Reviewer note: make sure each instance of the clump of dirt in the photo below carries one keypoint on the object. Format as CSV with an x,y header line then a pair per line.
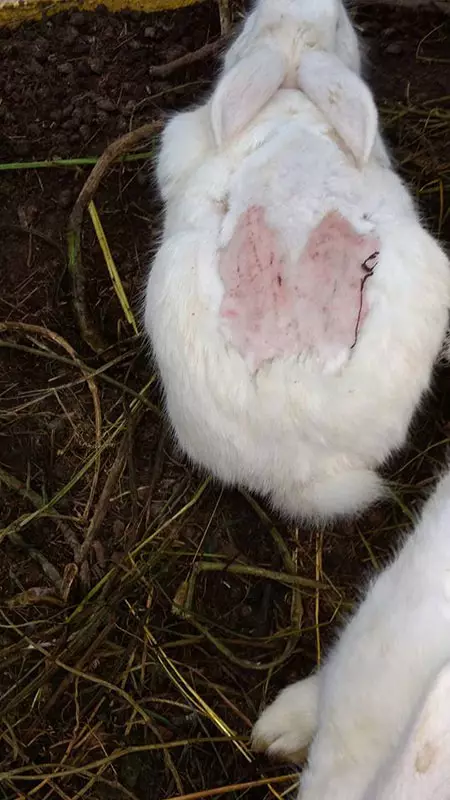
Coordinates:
x,y
71,83
100,669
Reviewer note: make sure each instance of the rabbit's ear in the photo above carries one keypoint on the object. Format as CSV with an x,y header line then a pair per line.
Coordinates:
x,y
421,769
244,90
343,98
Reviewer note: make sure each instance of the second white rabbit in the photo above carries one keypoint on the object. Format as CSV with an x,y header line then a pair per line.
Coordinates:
x,y
378,712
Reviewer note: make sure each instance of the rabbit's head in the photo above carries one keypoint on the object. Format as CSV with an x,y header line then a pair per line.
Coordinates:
x,y
297,25
297,44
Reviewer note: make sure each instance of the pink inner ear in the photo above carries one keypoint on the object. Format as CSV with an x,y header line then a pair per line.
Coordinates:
x,y
318,308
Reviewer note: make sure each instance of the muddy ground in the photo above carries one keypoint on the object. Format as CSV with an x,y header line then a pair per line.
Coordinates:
x,y
100,673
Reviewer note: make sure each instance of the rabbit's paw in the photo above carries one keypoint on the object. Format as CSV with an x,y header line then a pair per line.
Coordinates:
x,y
288,725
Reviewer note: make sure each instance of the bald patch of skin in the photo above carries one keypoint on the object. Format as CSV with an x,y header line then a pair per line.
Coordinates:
x,y
319,308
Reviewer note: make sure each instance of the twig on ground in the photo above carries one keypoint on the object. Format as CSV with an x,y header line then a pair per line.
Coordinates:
x,y
224,15
208,50
47,568
116,149
235,787
114,474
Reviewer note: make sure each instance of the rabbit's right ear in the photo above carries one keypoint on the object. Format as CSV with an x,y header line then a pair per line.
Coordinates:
x,y
343,98
244,90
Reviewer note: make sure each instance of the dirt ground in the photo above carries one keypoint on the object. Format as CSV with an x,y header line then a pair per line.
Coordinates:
x,y
108,690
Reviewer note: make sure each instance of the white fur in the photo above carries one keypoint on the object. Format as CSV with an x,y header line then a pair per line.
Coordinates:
x,y
305,431
383,696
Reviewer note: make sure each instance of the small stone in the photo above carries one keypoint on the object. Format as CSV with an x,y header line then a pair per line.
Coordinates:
x,y
102,117
67,111
71,35
27,214
128,107
77,19
85,132
150,32
65,198
96,65
394,49
134,45
105,104
65,68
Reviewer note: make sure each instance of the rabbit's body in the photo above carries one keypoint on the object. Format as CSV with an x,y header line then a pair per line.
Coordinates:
x,y
361,708
296,305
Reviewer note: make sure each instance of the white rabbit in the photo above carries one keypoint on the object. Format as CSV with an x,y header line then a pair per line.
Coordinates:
x,y
296,305
378,711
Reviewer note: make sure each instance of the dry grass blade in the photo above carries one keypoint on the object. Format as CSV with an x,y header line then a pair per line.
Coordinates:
x,y
112,269
236,787
61,163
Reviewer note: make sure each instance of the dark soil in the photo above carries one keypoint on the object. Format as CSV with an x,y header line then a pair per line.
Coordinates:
x,y
69,85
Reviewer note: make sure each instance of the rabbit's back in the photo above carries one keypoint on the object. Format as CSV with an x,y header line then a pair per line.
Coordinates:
x,y
287,184
234,294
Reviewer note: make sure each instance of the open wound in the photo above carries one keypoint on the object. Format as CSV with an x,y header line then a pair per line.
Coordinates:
x,y
318,308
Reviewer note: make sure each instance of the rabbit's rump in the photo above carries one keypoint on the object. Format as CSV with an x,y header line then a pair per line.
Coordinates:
x,y
268,311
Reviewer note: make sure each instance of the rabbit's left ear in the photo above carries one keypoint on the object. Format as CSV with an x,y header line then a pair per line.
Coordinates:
x,y
244,90
421,768
343,98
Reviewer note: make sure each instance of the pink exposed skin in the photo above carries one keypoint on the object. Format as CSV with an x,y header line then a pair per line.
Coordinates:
x,y
266,313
